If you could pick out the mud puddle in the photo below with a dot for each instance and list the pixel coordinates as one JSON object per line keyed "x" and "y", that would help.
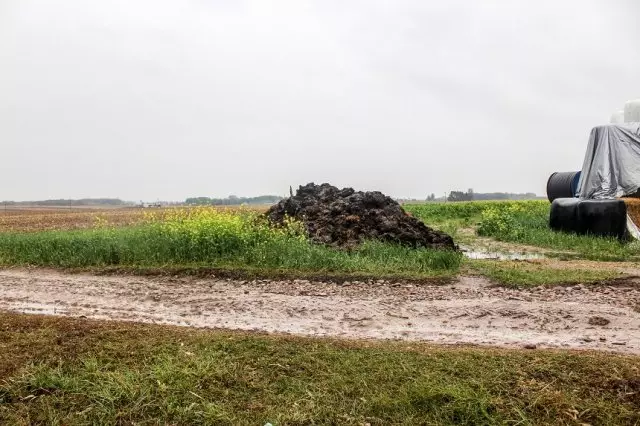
{"x": 38, "y": 308}
{"x": 476, "y": 254}
{"x": 469, "y": 311}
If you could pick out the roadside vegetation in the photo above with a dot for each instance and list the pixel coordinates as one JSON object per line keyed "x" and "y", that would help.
{"x": 214, "y": 238}
{"x": 523, "y": 222}
{"x": 71, "y": 371}
{"x": 238, "y": 242}
{"x": 519, "y": 274}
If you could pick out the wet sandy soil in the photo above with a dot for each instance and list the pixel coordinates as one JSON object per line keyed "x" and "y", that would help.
{"x": 469, "y": 311}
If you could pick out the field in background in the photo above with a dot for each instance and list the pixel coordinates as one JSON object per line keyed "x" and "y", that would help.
{"x": 208, "y": 237}
{"x": 138, "y": 239}
{"x": 49, "y": 219}
{"x": 524, "y": 223}
{"x": 35, "y": 219}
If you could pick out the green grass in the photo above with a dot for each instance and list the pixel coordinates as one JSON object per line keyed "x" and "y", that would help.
{"x": 524, "y": 222}
{"x": 467, "y": 210}
{"x": 518, "y": 274}
{"x": 450, "y": 217}
{"x": 75, "y": 372}
{"x": 151, "y": 246}
{"x": 208, "y": 239}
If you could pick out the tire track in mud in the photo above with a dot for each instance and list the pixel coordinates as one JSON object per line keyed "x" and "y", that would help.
{"x": 469, "y": 311}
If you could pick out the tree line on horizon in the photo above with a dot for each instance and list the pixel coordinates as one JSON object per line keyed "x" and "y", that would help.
{"x": 471, "y": 195}
{"x": 452, "y": 196}
{"x": 232, "y": 200}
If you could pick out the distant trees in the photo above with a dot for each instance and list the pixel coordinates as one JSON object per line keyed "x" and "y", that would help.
{"x": 198, "y": 201}
{"x": 233, "y": 200}
{"x": 470, "y": 195}
{"x": 460, "y": 196}
{"x": 506, "y": 196}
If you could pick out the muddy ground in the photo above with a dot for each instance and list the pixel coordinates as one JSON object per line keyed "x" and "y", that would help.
{"x": 470, "y": 311}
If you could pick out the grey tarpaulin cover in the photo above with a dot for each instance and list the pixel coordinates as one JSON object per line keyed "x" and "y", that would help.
{"x": 611, "y": 165}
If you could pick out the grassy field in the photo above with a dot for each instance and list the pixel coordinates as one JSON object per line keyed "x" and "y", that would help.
{"x": 522, "y": 222}
{"x": 234, "y": 240}
{"x": 214, "y": 238}
{"x": 71, "y": 372}
{"x": 530, "y": 274}
{"x": 523, "y": 227}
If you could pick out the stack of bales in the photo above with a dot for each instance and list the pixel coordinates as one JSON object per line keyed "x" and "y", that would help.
{"x": 630, "y": 114}
{"x": 602, "y": 215}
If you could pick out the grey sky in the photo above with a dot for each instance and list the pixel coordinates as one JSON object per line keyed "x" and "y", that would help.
{"x": 167, "y": 99}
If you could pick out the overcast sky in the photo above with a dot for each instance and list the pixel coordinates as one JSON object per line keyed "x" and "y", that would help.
{"x": 159, "y": 99}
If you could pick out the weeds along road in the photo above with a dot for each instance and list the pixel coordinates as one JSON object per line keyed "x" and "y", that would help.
{"x": 468, "y": 311}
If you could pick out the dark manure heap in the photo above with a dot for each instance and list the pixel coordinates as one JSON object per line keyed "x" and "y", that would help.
{"x": 344, "y": 218}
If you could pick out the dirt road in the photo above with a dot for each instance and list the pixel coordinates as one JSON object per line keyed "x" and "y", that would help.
{"x": 469, "y": 311}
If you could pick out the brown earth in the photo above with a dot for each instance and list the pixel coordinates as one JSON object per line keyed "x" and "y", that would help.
{"x": 468, "y": 311}
{"x": 35, "y": 220}
{"x": 59, "y": 218}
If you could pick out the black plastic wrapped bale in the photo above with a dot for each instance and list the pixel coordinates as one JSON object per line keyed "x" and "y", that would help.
{"x": 605, "y": 218}
{"x": 562, "y": 185}
{"x": 564, "y": 215}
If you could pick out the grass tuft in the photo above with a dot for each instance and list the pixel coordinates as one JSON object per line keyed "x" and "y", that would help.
{"x": 522, "y": 274}
{"x": 66, "y": 371}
